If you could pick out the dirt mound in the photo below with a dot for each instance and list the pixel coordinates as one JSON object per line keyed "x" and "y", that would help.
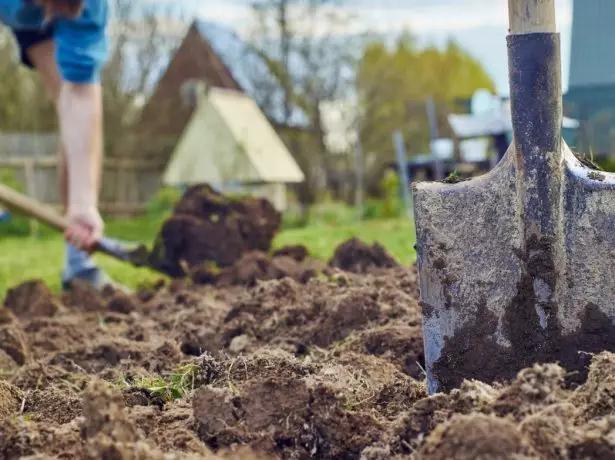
{"x": 209, "y": 227}
{"x": 358, "y": 257}
{"x": 30, "y": 299}
{"x": 476, "y": 437}
{"x": 255, "y": 266}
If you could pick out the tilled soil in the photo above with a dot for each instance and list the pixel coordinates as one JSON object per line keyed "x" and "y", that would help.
{"x": 327, "y": 366}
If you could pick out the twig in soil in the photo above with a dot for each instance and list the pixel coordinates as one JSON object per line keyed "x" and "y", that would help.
{"x": 406, "y": 445}
{"x": 231, "y": 385}
{"x": 23, "y": 402}
{"x": 423, "y": 371}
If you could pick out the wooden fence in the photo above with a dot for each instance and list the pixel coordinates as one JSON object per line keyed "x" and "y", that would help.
{"x": 127, "y": 186}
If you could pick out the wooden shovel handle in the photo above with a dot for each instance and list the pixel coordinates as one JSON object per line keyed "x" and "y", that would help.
{"x": 531, "y": 16}
{"x": 42, "y": 213}
{"x": 32, "y": 208}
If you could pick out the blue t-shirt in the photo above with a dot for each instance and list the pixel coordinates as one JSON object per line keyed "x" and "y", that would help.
{"x": 81, "y": 43}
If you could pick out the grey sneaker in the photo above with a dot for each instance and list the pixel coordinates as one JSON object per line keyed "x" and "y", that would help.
{"x": 97, "y": 278}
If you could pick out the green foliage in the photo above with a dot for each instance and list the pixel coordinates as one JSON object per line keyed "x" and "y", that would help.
{"x": 332, "y": 213}
{"x": 293, "y": 218}
{"x": 394, "y": 84}
{"x": 391, "y": 204}
{"x": 391, "y": 188}
{"x": 607, "y": 164}
{"x": 163, "y": 201}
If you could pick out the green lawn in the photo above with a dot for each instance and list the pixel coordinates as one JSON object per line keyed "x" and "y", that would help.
{"x": 23, "y": 258}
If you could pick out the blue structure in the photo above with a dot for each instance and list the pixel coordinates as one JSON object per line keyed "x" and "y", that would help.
{"x": 591, "y": 88}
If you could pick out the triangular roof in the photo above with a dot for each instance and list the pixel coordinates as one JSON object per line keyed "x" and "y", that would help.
{"x": 249, "y": 70}
{"x": 229, "y": 139}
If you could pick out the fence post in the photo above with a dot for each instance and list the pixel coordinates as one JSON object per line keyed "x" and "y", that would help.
{"x": 402, "y": 164}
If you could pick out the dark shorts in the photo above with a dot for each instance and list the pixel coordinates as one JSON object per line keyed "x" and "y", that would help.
{"x": 28, "y": 38}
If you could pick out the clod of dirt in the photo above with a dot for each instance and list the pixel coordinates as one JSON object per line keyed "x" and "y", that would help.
{"x": 6, "y": 316}
{"x": 7, "y": 364}
{"x": 474, "y": 437}
{"x": 356, "y": 256}
{"x": 597, "y": 397}
{"x": 122, "y": 303}
{"x": 533, "y": 389}
{"x": 400, "y": 344}
{"x": 257, "y": 266}
{"x": 83, "y": 297}
{"x": 207, "y": 226}
{"x": 13, "y": 343}
{"x": 52, "y": 403}
{"x": 10, "y": 400}
{"x": 31, "y": 299}
{"x": 286, "y": 415}
{"x": 298, "y": 252}
{"x": 105, "y": 421}
{"x": 551, "y": 431}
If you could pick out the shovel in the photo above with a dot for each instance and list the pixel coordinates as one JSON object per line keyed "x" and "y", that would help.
{"x": 516, "y": 266}
{"x": 118, "y": 250}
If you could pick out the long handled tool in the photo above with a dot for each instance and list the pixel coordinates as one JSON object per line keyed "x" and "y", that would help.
{"x": 137, "y": 256}
{"x": 516, "y": 266}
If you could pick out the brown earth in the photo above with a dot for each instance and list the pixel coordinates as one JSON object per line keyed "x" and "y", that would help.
{"x": 209, "y": 227}
{"x": 259, "y": 363}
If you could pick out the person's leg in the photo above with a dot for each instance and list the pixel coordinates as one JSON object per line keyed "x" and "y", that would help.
{"x": 38, "y": 52}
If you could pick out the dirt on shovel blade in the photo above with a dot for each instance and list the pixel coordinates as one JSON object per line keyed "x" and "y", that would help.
{"x": 265, "y": 367}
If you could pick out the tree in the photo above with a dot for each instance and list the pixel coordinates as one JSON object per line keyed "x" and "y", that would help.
{"x": 23, "y": 103}
{"x": 394, "y": 83}
{"x": 311, "y": 63}
{"x": 144, "y": 38}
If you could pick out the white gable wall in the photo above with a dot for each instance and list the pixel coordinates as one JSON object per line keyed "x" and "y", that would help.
{"x": 207, "y": 152}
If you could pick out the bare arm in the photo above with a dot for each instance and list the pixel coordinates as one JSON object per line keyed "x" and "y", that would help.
{"x": 80, "y": 115}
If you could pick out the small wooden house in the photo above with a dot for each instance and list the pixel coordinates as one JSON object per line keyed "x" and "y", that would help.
{"x": 229, "y": 144}
{"x": 215, "y": 55}
{"x": 182, "y": 124}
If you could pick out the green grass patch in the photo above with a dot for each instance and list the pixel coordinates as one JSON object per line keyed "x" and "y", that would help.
{"x": 24, "y": 258}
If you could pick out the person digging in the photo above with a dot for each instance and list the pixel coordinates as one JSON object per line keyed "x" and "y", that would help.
{"x": 66, "y": 42}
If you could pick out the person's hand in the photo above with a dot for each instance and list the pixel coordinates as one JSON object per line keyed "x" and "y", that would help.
{"x": 85, "y": 228}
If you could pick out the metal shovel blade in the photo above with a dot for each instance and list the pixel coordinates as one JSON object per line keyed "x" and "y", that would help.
{"x": 516, "y": 266}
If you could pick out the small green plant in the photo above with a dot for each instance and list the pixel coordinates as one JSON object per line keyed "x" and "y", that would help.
{"x": 391, "y": 189}
{"x": 452, "y": 178}
{"x": 169, "y": 387}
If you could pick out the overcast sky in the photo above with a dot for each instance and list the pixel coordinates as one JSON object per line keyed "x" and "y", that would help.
{"x": 478, "y": 25}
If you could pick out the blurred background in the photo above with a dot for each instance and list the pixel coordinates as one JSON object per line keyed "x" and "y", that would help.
{"x": 328, "y": 108}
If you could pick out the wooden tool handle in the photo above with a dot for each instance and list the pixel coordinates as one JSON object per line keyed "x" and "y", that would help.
{"x": 531, "y": 16}
{"x": 32, "y": 208}
{"x": 42, "y": 213}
